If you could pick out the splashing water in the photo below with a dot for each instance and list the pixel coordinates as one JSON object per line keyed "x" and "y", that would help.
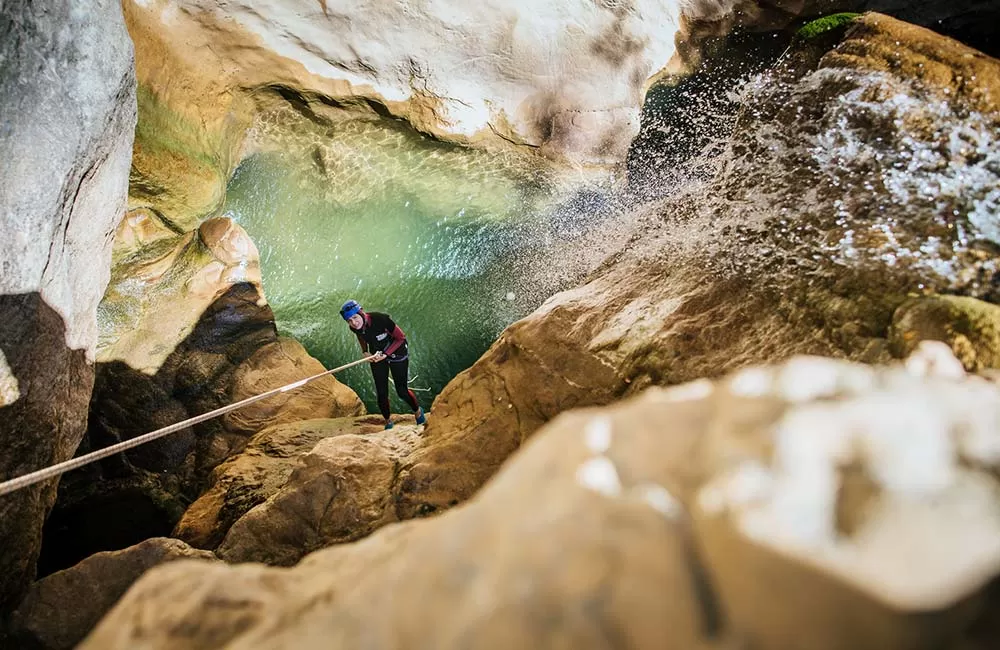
{"x": 849, "y": 178}
{"x": 453, "y": 243}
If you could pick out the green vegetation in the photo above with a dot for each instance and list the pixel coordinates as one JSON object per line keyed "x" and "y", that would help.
{"x": 825, "y": 24}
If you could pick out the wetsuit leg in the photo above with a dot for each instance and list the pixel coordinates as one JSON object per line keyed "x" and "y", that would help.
{"x": 400, "y": 377}
{"x": 380, "y": 372}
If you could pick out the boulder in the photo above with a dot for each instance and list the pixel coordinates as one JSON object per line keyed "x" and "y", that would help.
{"x": 60, "y": 610}
{"x": 67, "y": 110}
{"x": 278, "y": 364}
{"x": 258, "y": 472}
{"x": 812, "y": 504}
{"x": 339, "y": 492}
{"x": 969, "y": 21}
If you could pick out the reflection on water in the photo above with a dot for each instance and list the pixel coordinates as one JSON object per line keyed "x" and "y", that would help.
{"x": 430, "y": 233}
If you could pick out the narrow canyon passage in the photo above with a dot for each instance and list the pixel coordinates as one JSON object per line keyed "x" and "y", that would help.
{"x": 702, "y": 300}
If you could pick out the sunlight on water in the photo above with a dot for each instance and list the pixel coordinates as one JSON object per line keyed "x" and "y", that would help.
{"x": 429, "y": 233}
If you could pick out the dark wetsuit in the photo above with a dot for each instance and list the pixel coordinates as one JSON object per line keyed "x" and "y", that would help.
{"x": 380, "y": 333}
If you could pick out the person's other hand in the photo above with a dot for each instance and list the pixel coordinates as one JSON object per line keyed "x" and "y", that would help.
{"x": 378, "y": 356}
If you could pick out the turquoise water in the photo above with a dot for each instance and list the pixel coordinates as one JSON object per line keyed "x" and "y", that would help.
{"x": 428, "y": 233}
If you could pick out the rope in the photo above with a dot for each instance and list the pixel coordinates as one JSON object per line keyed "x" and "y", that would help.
{"x": 38, "y": 476}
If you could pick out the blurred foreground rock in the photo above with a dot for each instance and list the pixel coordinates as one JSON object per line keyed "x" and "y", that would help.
{"x": 814, "y": 504}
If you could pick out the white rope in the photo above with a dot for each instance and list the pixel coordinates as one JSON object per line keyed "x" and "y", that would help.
{"x": 59, "y": 468}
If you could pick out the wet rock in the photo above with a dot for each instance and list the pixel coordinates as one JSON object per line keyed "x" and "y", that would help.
{"x": 769, "y": 509}
{"x": 969, "y": 21}
{"x": 808, "y": 235}
{"x": 970, "y": 327}
{"x": 339, "y": 492}
{"x": 60, "y": 610}
{"x": 257, "y": 473}
{"x": 326, "y": 63}
{"x": 67, "y": 115}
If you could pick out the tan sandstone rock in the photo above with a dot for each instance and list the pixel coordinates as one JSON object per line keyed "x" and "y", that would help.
{"x": 232, "y": 352}
{"x": 340, "y": 492}
{"x": 815, "y": 504}
{"x": 279, "y": 364}
{"x": 61, "y": 609}
{"x": 258, "y": 472}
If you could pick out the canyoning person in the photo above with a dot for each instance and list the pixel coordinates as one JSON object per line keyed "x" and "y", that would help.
{"x": 378, "y": 334}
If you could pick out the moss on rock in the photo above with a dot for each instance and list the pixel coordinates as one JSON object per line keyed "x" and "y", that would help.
{"x": 825, "y": 25}
{"x": 970, "y": 326}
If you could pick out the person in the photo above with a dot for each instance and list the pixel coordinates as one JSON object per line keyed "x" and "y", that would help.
{"x": 378, "y": 334}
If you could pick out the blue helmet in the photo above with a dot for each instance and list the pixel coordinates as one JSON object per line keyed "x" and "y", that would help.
{"x": 350, "y": 308}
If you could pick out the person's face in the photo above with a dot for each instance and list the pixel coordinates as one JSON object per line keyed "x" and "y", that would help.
{"x": 356, "y": 321}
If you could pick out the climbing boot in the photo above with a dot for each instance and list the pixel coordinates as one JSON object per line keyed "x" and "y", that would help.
{"x": 421, "y": 418}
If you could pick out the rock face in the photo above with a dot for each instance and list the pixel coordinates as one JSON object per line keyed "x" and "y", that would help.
{"x": 564, "y": 79}
{"x": 561, "y": 81}
{"x": 162, "y": 282}
{"x": 278, "y": 364}
{"x": 67, "y": 110}
{"x": 459, "y": 73}
{"x": 769, "y": 509}
{"x": 340, "y": 492}
{"x": 232, "y": 352}
{"x": 748, "y": 266}
{"x": 969, "y": 21}
{"x": 60, "y": 610}
{"x": 257, "y": 473}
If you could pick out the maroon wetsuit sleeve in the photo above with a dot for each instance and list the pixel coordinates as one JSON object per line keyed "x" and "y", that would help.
{"x": 398, "y": 337}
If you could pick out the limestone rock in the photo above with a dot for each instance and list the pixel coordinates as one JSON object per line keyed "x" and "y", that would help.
{"x": 862, "y": 477}
{"x": 61, "y": 609}
{"x": 279, "y": 364}
{"x": 258, "y": 472}
{"x": 479, "y": 73}
{"x": 560, "y": 82}
{"x": 340, "y": 492}
{"x": 67, "y": 114}
{"x": 970, "y": 327}
{"x": 195, "y": 377}
{"x": 938, "y": 65}
{"x": 791, "y": 506}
